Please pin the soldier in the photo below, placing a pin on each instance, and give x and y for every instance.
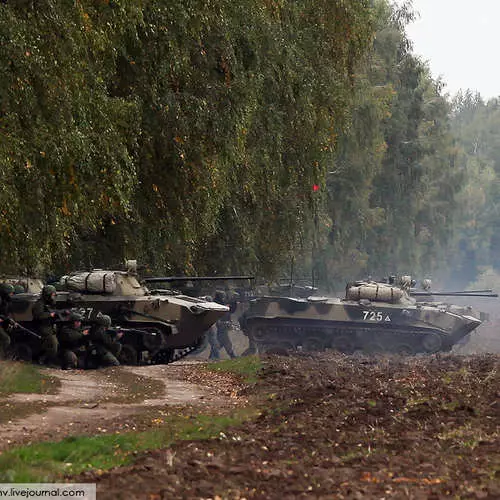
(105, 345)
(214, 342)
(252, 347)
(72, 338)
(206, 338)
(6, 292)
(223, 326)
(45, 320)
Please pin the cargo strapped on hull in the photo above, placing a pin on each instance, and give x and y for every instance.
(94, 281)
(376, 292)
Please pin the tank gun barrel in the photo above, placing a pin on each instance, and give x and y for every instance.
(169, 279)
(454, 294)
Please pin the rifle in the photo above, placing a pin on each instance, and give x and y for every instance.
(16, 325)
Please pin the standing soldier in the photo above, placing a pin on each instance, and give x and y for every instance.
(104, 343)
(45, 319)
(214, 342)
(252, 347)
(223, 326)
(71, 339)
(6, 293)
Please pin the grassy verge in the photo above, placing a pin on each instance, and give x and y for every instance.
(49, 461)
(248, 367)
(25, 378)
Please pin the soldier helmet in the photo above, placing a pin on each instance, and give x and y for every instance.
(6, 289)
(103, 320)
(48, 291)
(220, 297)
(75, 316)
(426, 284)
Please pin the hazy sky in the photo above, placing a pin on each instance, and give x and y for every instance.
(461, 41)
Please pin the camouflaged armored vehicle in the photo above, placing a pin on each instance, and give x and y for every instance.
(25, 342)
(168, 322)
(372, 317)
(157, 328)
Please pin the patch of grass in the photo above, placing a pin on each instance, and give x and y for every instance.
(248, 367)
(26, 378)
(467, 436)
(45, 462)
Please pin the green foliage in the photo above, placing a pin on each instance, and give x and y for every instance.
(189, 134)
(248, 367)
(24, 378)
(185, 134)
(475, 124)
(44, 462)
(393, 190)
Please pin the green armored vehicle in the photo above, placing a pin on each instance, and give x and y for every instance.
(25, 342)
(157, 328)
(372, 318)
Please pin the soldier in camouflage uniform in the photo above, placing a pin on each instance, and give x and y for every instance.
(72, 338)
(224, 326)
(252, 348)
(105, 346)
(214, 342)
(44, 319)
(6, 292)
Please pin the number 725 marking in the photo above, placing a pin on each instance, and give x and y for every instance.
(375, 316)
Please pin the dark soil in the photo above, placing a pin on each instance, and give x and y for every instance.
(341, 427)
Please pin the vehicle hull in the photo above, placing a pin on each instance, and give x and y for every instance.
(348, 326)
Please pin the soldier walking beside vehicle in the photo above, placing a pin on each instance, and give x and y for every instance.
(45, 320)
(252, 347)
(214, 342)
(6, 293)
(224, 326)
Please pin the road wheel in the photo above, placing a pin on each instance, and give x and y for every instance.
(271, 349)
(404, 349)
(373, 347)
(313, 344)
(164, 357)
(259, 334)
(343, 344)
(21, 352)
(432, 343)
(128, 355)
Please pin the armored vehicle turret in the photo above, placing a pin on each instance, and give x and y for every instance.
(372, 317)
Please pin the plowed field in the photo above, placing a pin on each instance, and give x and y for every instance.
(333, 426)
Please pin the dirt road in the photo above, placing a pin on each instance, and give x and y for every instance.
(93, 402)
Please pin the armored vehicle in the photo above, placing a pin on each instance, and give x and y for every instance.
(25, 343)
(157, 328)
(372, 317)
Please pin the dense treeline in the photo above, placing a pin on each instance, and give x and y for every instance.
(184, 133)
(221, 136)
